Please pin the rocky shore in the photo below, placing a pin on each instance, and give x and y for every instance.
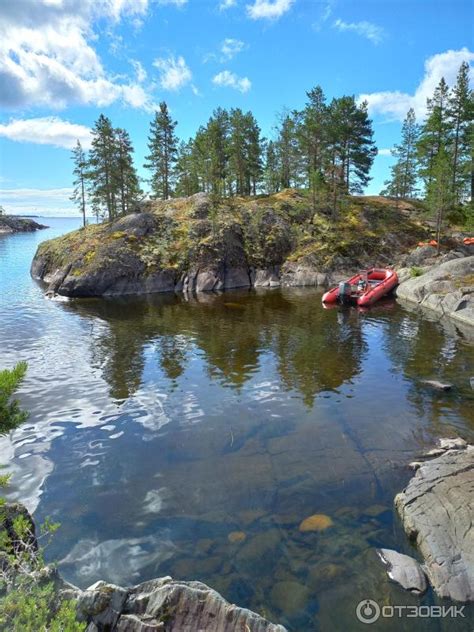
(436, 509)
(443, 285)
(10, 224)
(162, 604)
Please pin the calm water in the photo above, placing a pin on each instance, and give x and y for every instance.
(161, 425)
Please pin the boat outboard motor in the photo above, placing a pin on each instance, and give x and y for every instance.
(344, 292)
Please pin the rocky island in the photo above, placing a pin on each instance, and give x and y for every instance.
(10, 224)
(198, 244)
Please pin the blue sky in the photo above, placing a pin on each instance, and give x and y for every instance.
(63, 62)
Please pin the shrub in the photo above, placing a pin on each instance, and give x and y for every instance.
(415, 272)
(10, 413)
(27, 603)
(36, 608)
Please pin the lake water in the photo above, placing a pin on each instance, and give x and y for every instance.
(191, 437)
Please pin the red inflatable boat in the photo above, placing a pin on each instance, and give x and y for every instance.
(364, 288)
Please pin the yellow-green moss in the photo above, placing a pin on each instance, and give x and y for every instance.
(283, 226)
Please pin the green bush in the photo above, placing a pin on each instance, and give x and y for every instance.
(10, 414)
(35, 608)
(28, 605)
(415, 272)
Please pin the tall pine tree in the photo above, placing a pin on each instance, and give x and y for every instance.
(460, 117)
(126, 179)
(80, 180)
(162, 145)
(101, 166)
(434, 132)
(404, 173)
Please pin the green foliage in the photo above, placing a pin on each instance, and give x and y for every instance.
(27, 603)
(404, 173)
(10, 414)
(162, 145)
(36, 608)
(79, 194)
(109, 171)
(415, 272)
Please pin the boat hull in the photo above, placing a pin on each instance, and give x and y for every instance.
(380, 282)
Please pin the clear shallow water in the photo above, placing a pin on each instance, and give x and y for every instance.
(161, 425)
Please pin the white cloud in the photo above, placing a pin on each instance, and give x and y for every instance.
(230, 48)
(47, 56)
(394, 105)
(231, 80)
(268, 9)
(371, 31)
(325, 12)
(42, 202)
(227, 4)
(176, 3)
(384, 152)
(48, 130)
(140, 72)
(174, 73)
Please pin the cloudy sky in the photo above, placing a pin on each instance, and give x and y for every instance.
(63, 62)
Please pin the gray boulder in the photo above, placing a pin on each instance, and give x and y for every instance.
(404, 570)
(167, 605)
(437, 509)
(447, 289)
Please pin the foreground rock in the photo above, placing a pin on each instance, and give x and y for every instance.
(10, 224)
(166, 605)
(404, 570)
(437, 510)
(163, 604)
(446, 288)
(190, 245)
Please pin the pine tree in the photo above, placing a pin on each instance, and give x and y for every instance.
(80, 172)
(100, 168)
(162, 145)
(439, 193)
(289, 156)
(217, 147)
(237, 152)
(404, 173)
(187, 182)
(271, 173)
(434, 132)
(254, 153)
(460, 118)
(312, 135)
(127, 183)
(351, 149)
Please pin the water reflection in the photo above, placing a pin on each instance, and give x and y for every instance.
(316, 350)
(162, 425)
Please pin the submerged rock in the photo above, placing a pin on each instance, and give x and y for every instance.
(159, 604)
(404, 570)
(440, 386)
(289, 596)
(235, 537)
(316, 522)
(437, 509)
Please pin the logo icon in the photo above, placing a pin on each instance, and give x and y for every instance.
(368, 611)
